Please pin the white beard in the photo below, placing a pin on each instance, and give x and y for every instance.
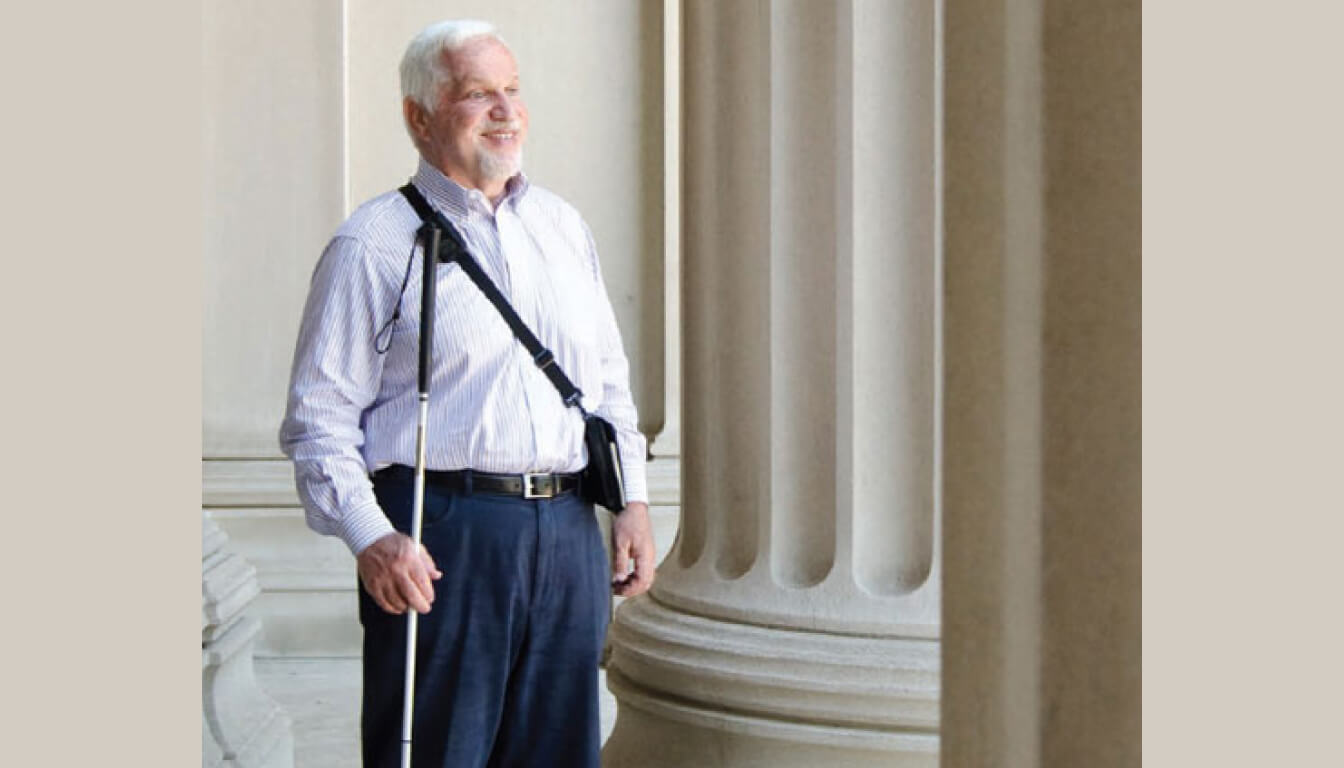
(499, 167)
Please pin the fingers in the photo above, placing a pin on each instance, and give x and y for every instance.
(400, 591)
(416, 590)
(387, 596)
(620, 561)
(632, 539)
(627, 582)
(434, 572)
(409, 578)
(639, 580)
(387, 599)
(393, 603)
(420, 578)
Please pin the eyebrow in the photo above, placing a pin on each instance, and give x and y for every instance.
(475, 81)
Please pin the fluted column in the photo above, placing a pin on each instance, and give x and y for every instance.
(795, 622)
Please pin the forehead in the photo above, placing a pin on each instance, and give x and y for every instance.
(481, 59)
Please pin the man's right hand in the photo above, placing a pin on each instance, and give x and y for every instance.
(396, 575)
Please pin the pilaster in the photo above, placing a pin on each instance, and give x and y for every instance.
(1043, 612)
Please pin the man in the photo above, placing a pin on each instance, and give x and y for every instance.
(512, 590)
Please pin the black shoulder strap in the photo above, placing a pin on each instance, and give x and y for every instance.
(540, 354)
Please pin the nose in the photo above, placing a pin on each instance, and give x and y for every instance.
(503, 107)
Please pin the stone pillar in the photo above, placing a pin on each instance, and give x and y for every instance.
(1042, 610)
(796, 621)
(242, 727)
(668, 442)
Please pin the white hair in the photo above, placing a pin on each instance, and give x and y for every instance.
(423, 75)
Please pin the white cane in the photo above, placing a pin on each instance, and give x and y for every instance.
(417, 510)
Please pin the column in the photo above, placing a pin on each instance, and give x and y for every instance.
(796, 620)
(1042, 607)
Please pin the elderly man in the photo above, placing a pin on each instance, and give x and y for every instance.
(512, 590)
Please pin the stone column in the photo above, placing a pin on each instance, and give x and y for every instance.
(241, 725)
(796, 621)
(1043, 585)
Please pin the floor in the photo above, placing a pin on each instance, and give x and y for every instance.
(322, 698)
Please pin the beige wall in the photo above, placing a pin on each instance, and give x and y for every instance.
(273, 193)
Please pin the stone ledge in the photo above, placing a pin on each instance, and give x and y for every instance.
(248, 483)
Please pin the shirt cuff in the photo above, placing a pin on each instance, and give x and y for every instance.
(636, 482)
(362, 527)
(633, 448)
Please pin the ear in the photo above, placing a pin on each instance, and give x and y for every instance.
(417, 118)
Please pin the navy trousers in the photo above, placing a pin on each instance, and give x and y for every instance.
(507, 658)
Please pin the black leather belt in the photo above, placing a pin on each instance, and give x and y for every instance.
(533, 485)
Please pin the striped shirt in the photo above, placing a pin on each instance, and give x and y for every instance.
(353, 410)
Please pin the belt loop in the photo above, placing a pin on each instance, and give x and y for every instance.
(466, 481)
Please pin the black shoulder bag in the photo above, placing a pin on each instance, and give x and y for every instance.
(601, 481)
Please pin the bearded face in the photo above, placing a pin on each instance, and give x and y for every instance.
(475, 133)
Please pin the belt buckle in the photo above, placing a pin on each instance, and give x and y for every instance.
(529, 493)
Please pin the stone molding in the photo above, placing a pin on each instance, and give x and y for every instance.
(885, 688)
(241, 725)
(248, 483)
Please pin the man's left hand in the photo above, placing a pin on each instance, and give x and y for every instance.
(632, 542)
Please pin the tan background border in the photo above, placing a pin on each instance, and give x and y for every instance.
(101, 308)
(1243, 402)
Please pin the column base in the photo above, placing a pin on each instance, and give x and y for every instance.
(653, 740)
(698, 691)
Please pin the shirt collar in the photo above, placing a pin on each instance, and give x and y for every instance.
(454, 199)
